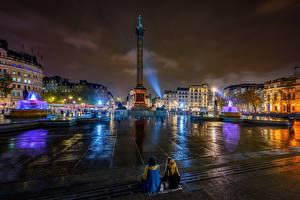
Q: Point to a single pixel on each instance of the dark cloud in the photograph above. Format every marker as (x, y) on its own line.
(220, 42)
(274, 6)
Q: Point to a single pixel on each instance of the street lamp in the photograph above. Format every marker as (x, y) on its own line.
(214, 89)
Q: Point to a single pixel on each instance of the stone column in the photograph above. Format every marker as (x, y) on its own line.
(140, 37)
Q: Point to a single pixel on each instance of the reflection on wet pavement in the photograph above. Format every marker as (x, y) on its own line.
(129, 143)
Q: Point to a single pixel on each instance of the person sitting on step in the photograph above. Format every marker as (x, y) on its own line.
(171, 175)
(151, 178)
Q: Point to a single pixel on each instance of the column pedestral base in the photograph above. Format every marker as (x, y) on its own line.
(140, 99)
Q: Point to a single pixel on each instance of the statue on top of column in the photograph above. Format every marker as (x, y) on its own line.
(140, 20)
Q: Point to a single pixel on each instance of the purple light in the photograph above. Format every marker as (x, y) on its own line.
(32, 142)
(230, 108)
(26, 105)
(231, 136)
(32, 102)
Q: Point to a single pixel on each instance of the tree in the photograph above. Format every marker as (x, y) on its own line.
(253, 98)
(237, 99)
(220, 101)
(5, 82)
(53, 97)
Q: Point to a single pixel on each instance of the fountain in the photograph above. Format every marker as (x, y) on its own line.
(230, 111)
(32, 107)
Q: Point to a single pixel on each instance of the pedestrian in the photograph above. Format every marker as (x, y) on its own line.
(151, 178)
(171, 176)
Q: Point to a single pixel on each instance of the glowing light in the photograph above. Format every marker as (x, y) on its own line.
(181, 105)
(230, 108)
(231, 136)
(32, 102)
(214, 89)
(32, 96)
(151, 76)
(100, 102)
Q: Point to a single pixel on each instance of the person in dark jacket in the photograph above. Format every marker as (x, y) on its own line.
(171, 175)
(151, 178)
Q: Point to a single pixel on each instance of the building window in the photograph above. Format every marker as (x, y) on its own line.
(4, 70)
(28, 87)
(25, 67)
(25, 75)
(19, 79)
(19, 73)
(14, 93)
(18, 94)
(14, 72)
(19, 86)
(29, 81)
(19, 66)
(25, 80)
(14, 65)
(14, 78)
(4, 62)
(14, 85)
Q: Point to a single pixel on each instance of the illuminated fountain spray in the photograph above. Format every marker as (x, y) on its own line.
(32, 102)
(230, 111)
(29, 108)
(230, 108)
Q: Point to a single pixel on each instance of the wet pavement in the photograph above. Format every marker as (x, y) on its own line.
(118, 145)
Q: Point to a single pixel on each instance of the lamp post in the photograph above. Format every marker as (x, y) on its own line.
(214, 99)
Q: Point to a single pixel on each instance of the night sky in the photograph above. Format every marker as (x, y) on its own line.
(186, 42)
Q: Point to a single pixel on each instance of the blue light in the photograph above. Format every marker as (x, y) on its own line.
(14, 64)
(100, 102)
(25, 67)
(151, 77)
(19, 66)
(32, 102)
(181, 105)
(32, 96)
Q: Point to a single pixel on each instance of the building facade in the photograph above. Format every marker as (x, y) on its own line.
(283, 95)
(193, 98)
(96, 92)
(200, 97)
(170, 99)
(27, 74)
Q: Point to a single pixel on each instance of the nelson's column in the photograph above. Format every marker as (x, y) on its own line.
(140, 90)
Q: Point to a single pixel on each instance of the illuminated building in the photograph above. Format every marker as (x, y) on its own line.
(200, 97)
(183, 98)
(283, 95)
(195, 98)
(170, 99)
(26, 72)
